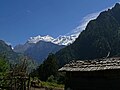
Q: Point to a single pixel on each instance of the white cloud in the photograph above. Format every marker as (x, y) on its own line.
(85, 21)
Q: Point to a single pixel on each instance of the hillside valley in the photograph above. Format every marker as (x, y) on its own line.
(59, 45)
(40, 47)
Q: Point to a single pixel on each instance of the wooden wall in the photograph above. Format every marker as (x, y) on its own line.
(93, 80)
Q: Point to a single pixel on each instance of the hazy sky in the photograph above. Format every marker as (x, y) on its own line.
(21, 19)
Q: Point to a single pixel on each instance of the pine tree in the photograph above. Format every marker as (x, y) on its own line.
(48, 68)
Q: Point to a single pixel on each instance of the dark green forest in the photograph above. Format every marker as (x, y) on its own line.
(100, 39)
(48, 71)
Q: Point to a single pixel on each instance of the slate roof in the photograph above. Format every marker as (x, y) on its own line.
(92, 65)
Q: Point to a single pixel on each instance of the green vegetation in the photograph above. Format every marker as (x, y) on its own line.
(52, 85)
(10, 55)
(100, 39)
(48, 68)
(4, 66)
(48, 71)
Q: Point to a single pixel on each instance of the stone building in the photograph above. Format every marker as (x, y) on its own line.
(99, 74)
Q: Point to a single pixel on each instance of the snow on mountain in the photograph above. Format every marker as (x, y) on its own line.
(65, 40)
(38, 38)
(61, 40)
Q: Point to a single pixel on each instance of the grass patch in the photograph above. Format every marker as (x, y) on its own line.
(52, 85)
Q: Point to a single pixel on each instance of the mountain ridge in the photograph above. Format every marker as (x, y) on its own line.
(60, 40)
(39, 50)
(39, 47)
(100, 39)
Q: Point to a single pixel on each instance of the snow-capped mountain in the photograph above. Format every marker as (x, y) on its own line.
(39, 47)
(61, 40)
(65, 40)
(38, 38)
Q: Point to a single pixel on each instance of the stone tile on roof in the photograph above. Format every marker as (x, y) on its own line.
(92, 65)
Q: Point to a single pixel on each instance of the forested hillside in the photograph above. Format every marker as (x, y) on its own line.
(100, 39)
